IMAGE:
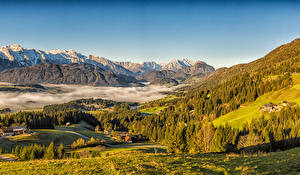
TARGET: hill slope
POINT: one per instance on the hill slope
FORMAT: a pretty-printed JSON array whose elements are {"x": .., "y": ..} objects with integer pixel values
[
  {"x": 137, "y": 162},
  {"x": 286, "y": 54},
  {"x": 249, "y": 111}
]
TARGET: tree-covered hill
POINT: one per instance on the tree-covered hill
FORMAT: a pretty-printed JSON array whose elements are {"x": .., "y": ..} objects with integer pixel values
[{"x": 186, "y": 125}]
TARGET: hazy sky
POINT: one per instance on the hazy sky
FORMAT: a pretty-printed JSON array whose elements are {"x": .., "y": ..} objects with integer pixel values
[{"x": 222, "y": 33}]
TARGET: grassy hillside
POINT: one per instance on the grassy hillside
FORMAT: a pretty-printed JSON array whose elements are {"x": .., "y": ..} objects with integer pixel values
[
  {"x": 46, "y": 136},
  {"x": 249, "y": 111},
  {"x": 139, "y": 162},
  {"x": 41, "y": 136}
]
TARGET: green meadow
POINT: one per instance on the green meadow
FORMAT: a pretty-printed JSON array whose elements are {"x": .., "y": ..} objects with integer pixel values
[{"x": 143, "y": 162}]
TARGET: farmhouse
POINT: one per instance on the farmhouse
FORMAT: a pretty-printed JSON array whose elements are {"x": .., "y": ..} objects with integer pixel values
[
  {"x": 270, "y": 107},
  {"x": 11, "y": 131},
  {"x": 5, "y": 131}
]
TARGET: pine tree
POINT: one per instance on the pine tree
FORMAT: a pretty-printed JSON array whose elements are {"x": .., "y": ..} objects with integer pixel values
[
  {"x": 61, "y": 151},
  {"x": 50, "y": 152}
]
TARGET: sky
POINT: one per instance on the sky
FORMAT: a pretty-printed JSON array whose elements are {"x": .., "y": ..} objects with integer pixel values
[{"x": 221, "y": 33}]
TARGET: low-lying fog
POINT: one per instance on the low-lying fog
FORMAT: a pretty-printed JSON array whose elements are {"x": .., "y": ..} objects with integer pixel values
[{"x": 22, "y": 101}]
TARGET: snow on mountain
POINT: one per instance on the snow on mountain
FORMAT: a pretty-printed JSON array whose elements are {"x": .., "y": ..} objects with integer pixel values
[
  {"x": 177, "y": 64},
  {"x": 140, "y": 68},
  {"x": 16, "y": 56},
  {"x": 109, "y": 65}
]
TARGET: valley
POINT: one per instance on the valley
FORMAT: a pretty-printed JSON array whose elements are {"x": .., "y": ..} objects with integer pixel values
[
  {"x": 28, "y": 98},
  {"x": 241, "y": 119},
  {"x": 149, "y": 87}
]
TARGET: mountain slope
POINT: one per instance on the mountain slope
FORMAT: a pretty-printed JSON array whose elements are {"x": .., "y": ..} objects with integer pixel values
[
  {"x": 84, "y": 74},
  {"x": 141, "y": 68},
  {"x": 157, "y": 75},
  {"x": 109, "y": 65}
]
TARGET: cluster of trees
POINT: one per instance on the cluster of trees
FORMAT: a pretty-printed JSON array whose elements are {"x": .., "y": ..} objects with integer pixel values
[
  {"x": 73, "y": 116},
  {"x": 231, "y": 94},
  {"x": 280, "y": 130},
  {"x": 43, "y": 120},
  {"x": 80, "y": 143},
  {"x": 119, "y": 119},
  {"x": 36, "y": 151},
  {"x": 33, "y": 120},
  {"x": 80, "y": 104}
]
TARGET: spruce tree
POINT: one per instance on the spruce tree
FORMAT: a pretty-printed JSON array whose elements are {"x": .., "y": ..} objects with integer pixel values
[{"x": 50, "y": 152}]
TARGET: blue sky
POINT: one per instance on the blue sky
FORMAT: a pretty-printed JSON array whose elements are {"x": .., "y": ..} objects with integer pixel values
[{"x": 222, "y": 33}]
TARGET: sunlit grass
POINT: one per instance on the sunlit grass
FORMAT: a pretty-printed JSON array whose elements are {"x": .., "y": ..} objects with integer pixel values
[
  {"x": 247, "y": 112},
  {"x": 140, "y": 162},
  {"x": 153, "y": 110}
]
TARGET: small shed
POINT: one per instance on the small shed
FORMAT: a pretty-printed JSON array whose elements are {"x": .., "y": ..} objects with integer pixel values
[{"x": 68, "y": 124}]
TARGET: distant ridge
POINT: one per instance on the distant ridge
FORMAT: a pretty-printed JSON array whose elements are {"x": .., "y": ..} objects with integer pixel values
[{"x": 15, "y": 56}]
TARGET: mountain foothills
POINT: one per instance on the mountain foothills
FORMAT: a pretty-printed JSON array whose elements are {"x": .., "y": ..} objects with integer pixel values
[
  {"x": 242, "y": 113},
  {"x": 20, "y": 61}
]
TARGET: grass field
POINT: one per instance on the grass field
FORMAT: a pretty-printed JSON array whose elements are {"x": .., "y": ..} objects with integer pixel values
[
  {"x": 46, "y": 136},
  {"x": 249, "y": 111},
  {"x": 153, "y": 110},
  {"x": 41, "y": 136},
  {"x": 141, "y": 162},
  {"x": 81, "y": 128}
]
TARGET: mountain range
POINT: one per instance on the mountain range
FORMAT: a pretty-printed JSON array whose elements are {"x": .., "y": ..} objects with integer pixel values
[{"x": 28, "y": 63}]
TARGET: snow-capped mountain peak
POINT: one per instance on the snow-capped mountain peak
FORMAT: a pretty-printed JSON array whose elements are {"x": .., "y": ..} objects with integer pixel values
[{"x": 178, "y": 64}]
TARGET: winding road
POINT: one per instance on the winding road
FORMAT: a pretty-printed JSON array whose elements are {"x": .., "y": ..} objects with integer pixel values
[{"x": 76, "y": 133}]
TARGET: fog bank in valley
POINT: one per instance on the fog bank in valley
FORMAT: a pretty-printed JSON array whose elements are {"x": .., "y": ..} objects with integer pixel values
[{"x": 21, "y": 101}]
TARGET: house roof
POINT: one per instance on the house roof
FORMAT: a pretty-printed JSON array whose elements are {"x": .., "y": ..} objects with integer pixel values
[{"x": 15, "y": 128}]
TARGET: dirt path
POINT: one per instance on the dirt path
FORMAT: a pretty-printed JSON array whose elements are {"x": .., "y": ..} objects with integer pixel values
[
  {"x": 7, "y": 159},
  {"x": 76, "y": 133}
]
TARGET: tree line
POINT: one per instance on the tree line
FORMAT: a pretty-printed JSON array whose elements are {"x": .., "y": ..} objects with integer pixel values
[{"x": 44, "y": 120}]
